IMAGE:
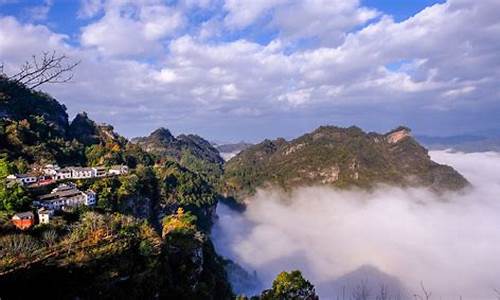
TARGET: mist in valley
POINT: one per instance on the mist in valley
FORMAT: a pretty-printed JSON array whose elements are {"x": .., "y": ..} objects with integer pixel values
[{"x": 391, "y": 236}]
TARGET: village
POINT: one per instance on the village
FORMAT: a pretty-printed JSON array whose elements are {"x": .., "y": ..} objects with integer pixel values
[{"x": 65, "y": 197}]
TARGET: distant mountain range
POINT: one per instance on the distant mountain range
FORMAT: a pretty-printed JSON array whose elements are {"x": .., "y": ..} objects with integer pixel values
[{"x": 463, "y": 143}]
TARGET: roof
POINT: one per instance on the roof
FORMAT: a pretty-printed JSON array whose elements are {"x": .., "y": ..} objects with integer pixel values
[
  {"x": 24, "y": 175},
  {"x": 61, "y": 192},
  {"x": 118, "y": 167},
  {"x": 80, "y": 169},
  {"x": 24, "y": 215}
]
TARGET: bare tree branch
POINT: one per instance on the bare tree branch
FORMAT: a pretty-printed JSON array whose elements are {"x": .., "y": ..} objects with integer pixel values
[
  {"x": 426, "y": 294},
  {"x": 49, "y": 68}
]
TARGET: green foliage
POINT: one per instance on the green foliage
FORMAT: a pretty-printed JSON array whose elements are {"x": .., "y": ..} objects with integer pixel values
[
  {"x": 342, "y": 157},
  {"x": 181, "y": 223},
  {"x": 180, "y": 185},
  {"x": 13, "y": 196},
  {"x": 290, "y": 286},
  {"x": 210, "y": 171},
  {"x": 107, "y": 191},
  {"x": 5, "y": 167}
]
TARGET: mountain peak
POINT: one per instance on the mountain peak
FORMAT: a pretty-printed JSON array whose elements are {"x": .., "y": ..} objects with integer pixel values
[
  {"x": 342, "y": 157},
  {"x": 162, "y": 134},
  {"x": 398, "y": 134}
]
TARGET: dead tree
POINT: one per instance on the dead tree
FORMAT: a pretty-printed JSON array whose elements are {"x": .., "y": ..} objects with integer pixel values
[
  {"x": 426, "y": 294},
  {"x": 47, "y": 68}
]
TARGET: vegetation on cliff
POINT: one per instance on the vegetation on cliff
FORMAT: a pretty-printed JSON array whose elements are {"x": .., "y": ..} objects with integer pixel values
[
  {"x": 115, "y": 250},
  {"x": 191, "y": 151},
  {"x": 341, "y": 157}
]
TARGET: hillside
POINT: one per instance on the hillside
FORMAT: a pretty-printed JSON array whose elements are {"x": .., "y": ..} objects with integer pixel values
[
  {"x": 34, "y": 127},
  {"x": 146, "y": 237},
  {"x": 88, "y": 132},
  {"x": 341, "y": 157},
  {"x": 191, "y": 151}
]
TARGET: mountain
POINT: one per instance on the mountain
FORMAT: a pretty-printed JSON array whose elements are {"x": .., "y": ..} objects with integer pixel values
[
  {"x": 88, "y": 132},
  {"x": 365, "y": 279},
  {"x": 463, "y": 143},
  {"x": 34, "y": 127},
  {"x": 341, "y": 157},
  {"x": 230, "y": 148},
  {"x": 18, "y": 103},
  {"x": 228, "y": 151},
  {"x": 191, "y": 151},
  {"x": 146, "y": 238},
  {"x": 163, "y": 144}
]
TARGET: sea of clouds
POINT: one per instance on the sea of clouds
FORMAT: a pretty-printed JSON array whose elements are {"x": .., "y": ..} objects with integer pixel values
[{"x": 399, "y": 237}]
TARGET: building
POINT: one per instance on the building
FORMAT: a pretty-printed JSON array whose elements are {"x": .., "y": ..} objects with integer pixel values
[
  {"x": 51, "y": 170},
  {"x": 118, "y": 170},
  {"x": 66, "y": 196},
  {"x": 81, "y": 173},
  {"x": 44, "y": 215},
  {"x": 45, "y": 180},
  {"x": 99, "y": 171},
  {"x": 24, "y": 178},
  {"x": 23, "y": 220},
  {"x": 63, "y": 174}
]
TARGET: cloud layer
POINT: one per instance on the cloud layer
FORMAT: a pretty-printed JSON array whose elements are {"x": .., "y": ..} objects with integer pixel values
[
  {"x": 449, "y": 242},
  {"x": 206, "y": 65}
]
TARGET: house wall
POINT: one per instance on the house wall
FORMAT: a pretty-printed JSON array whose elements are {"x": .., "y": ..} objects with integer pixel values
[{"x": 23, "y": 223}]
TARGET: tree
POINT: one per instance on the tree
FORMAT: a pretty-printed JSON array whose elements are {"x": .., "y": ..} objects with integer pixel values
[
  {"x": 181, "y": 222},
  {"x": 13, "y": 196},
  {"x": 47, "y": 68},
  {"x": 5, "y": 167},
  {"x": 290, "y": 286}
]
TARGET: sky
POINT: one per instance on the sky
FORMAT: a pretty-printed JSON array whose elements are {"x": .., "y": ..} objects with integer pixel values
[{"x": 234, "y": 70}]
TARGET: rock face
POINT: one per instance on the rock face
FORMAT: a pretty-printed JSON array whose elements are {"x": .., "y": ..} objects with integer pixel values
[
  {"x": 87, "y": 132},
  {"x": 191, "y": 151},
  {"x": 342, "y": 157},
  {"x": 162, "y": 143}
]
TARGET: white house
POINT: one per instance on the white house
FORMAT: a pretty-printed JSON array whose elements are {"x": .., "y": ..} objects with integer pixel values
[
  {"x": 91, "y": 198},
  {"x": 66, "y": 196},
  {"x": 63, "y": 174},
  {"x": 99, "y": 171},
  {"x": 51, "y": 170},
  {"x": 23, "y": 178},
  {"x": 80, "y": 173},
  {"x": 118, "y": 170},
  {"x": 44, "y": 215}
]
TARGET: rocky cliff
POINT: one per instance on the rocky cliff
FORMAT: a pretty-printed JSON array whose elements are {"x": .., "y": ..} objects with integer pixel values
[{"x": 341, "y": 157}]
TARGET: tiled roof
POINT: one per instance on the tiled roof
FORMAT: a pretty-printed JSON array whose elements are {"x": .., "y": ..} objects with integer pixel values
[{"x": 23, "y": 215}]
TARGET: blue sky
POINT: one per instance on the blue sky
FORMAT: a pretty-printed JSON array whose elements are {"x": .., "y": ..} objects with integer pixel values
[{"x": 232, "y": 70}]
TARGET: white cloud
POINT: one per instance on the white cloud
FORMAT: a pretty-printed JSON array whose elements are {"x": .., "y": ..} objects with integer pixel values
[
  {"x": 35, "y": 39},
  {"x": 90, "y": 8},
  {"x": 449, "y": 242},
  {"x": 243, "y": 13},
  {"x": 442, "y": 59},
  {"x": 132, "y": 29},
  {"x": 40, "y": 12}
]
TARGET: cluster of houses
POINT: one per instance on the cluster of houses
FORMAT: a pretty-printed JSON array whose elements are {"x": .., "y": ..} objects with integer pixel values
[
  {"x": 52, "y": 173},
  {"x": 64, "y": 197}
]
